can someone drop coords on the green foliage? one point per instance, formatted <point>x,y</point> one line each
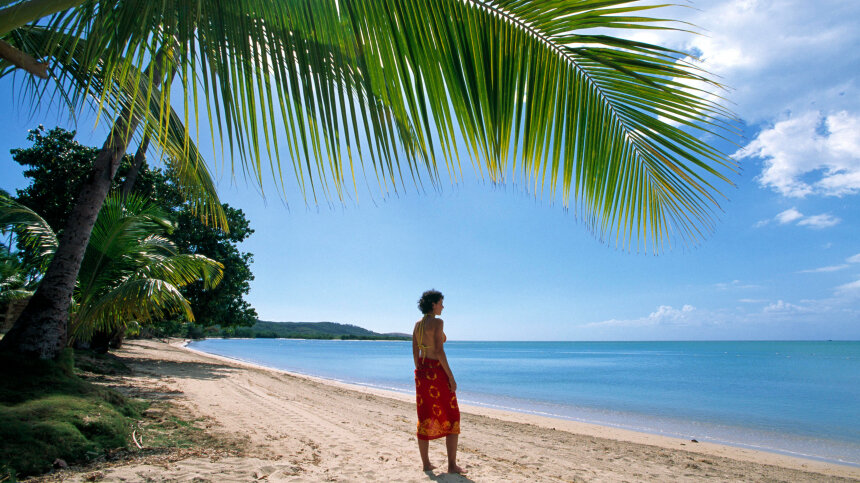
<point>271,330</point>
<point>47,412</point>
<point>35,236</point>
<point>306,330</point>
<point>551,95</point>
<point>194,331</point>
<point>222,305</point>
<point>17,281</point>
<point>163,328</point>
<point>130,272</point>
<point>56,164</point>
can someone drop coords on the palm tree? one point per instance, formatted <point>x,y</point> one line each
<point>14,283</point>
<point>130,272</point>
<point>538,90</point>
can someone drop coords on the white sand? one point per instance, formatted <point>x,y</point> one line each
<point>306,429</point>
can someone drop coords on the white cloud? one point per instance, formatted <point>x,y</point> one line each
<point>665,315</point>
<point>832,268</point>
<point>790,215</point>
<point>809,154</point>
<point>849,288</point>
<point>776,56</point>
<point>782,306</point>
<point>791,64</point>
<point>734,284</point>
<point>832,317</point>
<point>819,221</point>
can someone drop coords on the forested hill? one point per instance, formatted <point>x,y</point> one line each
<point>312,330</point>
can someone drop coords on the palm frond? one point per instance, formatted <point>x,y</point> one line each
<point>30,228</point>
<point>254,65</point>
<point>538,91</point>
<point>9,295</point>
<point>142,300</point>
<point>131,272</point>
<point>183,269</point>
<point>540,95</point>
<point>193,176</point>
<point>120,228</point>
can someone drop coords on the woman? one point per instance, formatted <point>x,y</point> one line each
<point>438,412</point>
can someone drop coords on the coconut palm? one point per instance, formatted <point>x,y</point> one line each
<point>130,272</point>
<point>14,283</point>
<point>537,90</point>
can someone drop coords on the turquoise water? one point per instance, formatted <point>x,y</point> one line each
<point>799,398</point>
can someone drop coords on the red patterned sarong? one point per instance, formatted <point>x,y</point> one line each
<point>438,412</point>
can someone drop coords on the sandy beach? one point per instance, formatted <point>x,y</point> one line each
<point>299,428</point>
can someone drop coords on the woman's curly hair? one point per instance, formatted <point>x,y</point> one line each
<point>428,298</point>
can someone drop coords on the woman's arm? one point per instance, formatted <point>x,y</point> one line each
<point>439,343</point>
<point>414,348</point>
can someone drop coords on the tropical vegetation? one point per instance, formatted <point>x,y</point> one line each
<point>130,273</point>
<point>55,164</point>
<point>47,412</point>
<point>537,91</point>
<point>16,280</point>
<point>59,412</point>
<point>263,329</point>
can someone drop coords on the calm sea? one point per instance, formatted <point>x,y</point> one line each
<point>798,398</point>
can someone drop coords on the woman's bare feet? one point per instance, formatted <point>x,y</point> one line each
<point>429,467</point>
<point>456,469</point>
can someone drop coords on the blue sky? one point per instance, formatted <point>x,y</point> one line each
<point>782,263</point>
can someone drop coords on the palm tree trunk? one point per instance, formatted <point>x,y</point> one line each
<point>42,329</point>
<point>22,60</point>
<point>139,158</point>
<point>140,155</point>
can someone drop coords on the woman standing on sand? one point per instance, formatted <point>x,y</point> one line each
<point>438,412</point>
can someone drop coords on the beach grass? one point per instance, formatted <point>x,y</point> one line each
<point>47,412</point>
<point>62,409</point>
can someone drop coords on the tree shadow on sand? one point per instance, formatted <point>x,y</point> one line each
<point>178,369</point>
<point>153,372</point>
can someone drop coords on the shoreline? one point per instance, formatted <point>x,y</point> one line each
<point>675,431</point>
<point>289,427</point>
<point>705,448</point>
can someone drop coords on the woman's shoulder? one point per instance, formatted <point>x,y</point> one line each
<point>430,323</point>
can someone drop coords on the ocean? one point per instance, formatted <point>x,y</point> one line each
<point>795,398</point>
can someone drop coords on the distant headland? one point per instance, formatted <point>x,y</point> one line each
<point>264,329</point>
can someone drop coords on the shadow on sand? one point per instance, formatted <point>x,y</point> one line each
<point>179,369</point>
<point>155,370</point>
<point>451,477</point>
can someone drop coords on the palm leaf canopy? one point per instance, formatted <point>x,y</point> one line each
<point>539,90</point>
<point>132,273</point>
<point>193,177</point>
<point>14,282</point>
<point>36,234</point>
